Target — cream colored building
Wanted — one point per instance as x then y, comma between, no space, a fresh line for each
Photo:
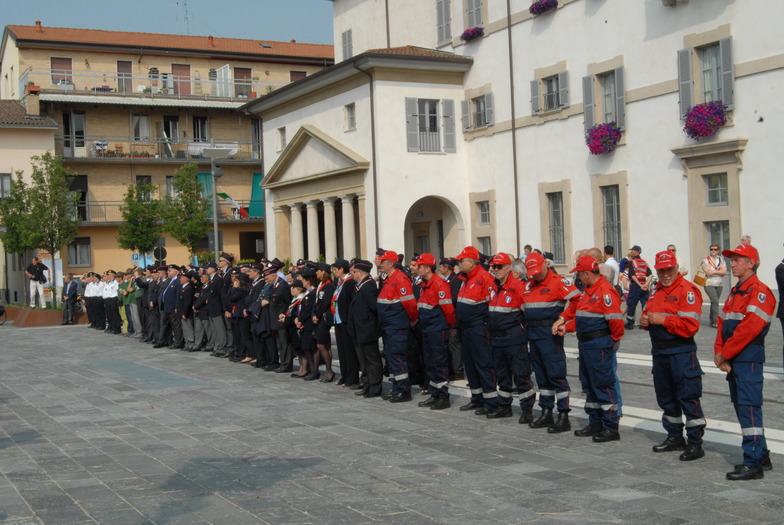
134,107
377,128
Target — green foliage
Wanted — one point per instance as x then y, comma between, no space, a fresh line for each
185,215
17,236
141,219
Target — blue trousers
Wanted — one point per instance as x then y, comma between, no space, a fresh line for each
602,396
549,364
677,379
436,350
513,369
478,365
636,295
745,382
395,344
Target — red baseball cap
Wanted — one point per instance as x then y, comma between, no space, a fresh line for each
665,259
534,264
469,252
388,255
744,250
426,259
586,263
501,259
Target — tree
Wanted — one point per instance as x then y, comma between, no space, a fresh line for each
16,234
141,215
185,216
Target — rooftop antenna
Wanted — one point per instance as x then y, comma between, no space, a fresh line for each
184,4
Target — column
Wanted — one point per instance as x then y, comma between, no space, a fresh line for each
349,242
330,231
313,230
297,244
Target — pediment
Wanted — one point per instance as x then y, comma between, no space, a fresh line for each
312,154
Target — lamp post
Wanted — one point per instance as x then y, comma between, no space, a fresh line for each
215,153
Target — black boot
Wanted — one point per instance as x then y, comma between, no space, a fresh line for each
693,451
745,473
440,404
766,464
590,430
501,411
526,417
561,424
670,444
545,420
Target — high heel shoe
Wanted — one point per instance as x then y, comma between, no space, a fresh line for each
312,377
328,378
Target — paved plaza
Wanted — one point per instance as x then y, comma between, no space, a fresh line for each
97,428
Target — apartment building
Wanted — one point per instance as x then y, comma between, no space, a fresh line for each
445,141
134,107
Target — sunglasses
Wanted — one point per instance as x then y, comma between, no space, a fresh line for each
496,266
714,249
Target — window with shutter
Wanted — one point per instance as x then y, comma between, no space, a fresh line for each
425,120
348,45
589,106
444,21
563,89
620,98
473,13
536,105
684,80
62,70
448,116
727,73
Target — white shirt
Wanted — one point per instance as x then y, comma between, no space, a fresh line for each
611,262
109,290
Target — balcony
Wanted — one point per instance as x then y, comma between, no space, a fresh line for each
154,85
127,149
107,213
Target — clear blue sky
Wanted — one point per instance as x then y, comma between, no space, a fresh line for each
303,20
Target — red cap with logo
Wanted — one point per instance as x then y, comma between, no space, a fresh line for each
425,259
469,252
744,250
665,259
534,264
501,259
586,263
388,255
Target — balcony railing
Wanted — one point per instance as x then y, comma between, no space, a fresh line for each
154,84
103,147
108,212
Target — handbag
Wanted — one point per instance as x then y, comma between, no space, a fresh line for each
700,278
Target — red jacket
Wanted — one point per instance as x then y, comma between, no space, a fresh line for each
681,304
596,310
745,321
436,311
397,306
473,297
545,301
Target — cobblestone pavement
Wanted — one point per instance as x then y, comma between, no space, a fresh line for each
96,428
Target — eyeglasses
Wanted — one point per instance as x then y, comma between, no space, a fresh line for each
496,266
714,249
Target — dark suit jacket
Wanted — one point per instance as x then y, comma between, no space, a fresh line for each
214,293
780,284
200,301
363,315
345,298
279,298
70,292
168,294
185,301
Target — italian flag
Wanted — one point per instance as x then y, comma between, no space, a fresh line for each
242,211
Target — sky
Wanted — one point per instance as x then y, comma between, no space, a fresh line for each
303,20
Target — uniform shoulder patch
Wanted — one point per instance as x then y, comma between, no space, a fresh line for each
508,299
492,294
402,291
690,297
441,295
607,300
567,282
761,297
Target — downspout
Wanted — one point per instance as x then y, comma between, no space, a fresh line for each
386,8
372,149
514,133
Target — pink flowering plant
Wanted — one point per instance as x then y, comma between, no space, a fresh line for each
542,6
472,33
603,138
704,120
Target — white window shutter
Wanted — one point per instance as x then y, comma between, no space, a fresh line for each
620,99
684,80
589,106
536,103
447,21
412,124
563,88
727,73
448,112
440,20
489,113
465,110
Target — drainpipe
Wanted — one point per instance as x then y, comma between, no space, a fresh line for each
386,7
372,148
514,133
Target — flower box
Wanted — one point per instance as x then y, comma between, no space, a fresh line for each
603,138
472,33
542,6
704,120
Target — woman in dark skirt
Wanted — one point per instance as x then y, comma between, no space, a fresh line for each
235,308
297,294
304,322
322,319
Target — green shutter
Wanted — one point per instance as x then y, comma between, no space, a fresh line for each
256,208
206,190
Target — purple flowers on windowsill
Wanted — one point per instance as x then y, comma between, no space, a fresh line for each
472,33
704,120
542,6
603,138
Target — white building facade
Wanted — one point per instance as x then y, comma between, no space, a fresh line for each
418,141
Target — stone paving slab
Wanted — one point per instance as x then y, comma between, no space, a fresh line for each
96,428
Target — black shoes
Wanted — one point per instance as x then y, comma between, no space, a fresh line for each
526,417
561,424
282,370
481,411
544,420
629,326
766,464
158,345
499,412
693,451
399,397
427,402
745,473
670,444
472,405
589,431
441,404
605,435
387,395
360,392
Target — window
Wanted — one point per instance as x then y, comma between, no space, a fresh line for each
484,212
611,205
171,191
5,185
79,252
552,99
144,180
710,61
485,245
141,127
181,76
550,93
351,116
347,43
124,74
706,72
242,81
716,187
297,75
78,187
557,233
607,82
171,127
74,132
200,129
423,244
610,105
444,21
478,112
473,13
62,70
281,138
430,125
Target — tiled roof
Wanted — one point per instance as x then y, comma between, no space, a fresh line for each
12,113
183,42
413,51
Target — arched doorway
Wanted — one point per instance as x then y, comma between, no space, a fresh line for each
434,225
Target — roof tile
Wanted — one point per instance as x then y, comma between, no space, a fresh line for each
12,113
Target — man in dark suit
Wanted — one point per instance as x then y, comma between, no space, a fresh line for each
278,299
169,292
201,318
214,293
153,293
780,284
341,303
363,327
185,309
70,291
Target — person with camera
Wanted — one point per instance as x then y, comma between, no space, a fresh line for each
37,272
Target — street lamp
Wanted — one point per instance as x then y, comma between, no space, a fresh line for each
215,153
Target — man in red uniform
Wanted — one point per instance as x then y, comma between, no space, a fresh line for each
436,318
596,317
546,295
471,311
740,351
397,310
672,318
639,280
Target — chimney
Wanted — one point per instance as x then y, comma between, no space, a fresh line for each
212,43
38,26
32,101
293,41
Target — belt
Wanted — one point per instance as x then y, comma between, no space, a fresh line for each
542,322
672,343
590,336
